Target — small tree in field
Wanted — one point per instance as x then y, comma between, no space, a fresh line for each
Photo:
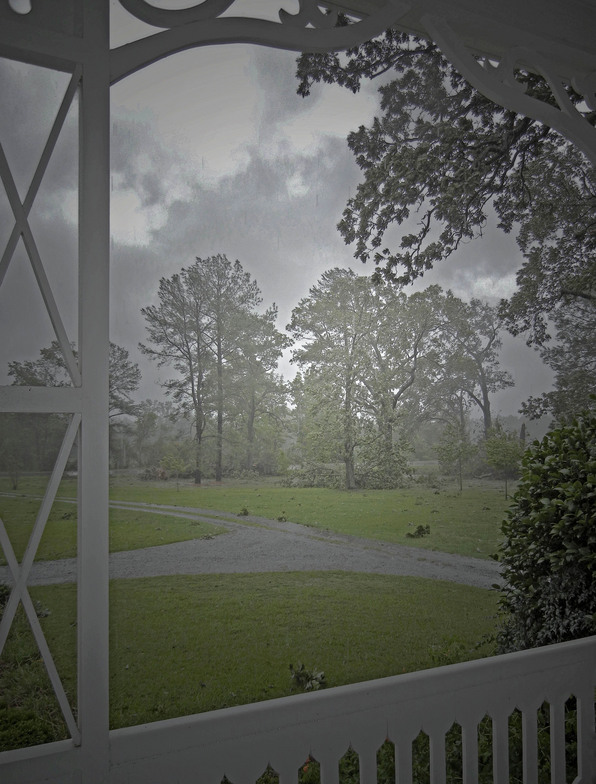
177,460
455,451
503,453
549,550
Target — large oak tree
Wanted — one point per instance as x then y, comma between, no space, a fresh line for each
441,158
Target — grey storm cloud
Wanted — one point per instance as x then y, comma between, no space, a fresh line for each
276,212
139,161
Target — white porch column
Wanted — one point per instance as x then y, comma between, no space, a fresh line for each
94,245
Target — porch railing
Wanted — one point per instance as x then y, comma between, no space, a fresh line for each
239,743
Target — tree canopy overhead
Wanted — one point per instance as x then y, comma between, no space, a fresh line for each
440,158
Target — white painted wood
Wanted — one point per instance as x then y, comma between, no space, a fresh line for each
586,737
530,746
470,753
40,400
281,731
244,739
557,742
209,32
41,168
94,260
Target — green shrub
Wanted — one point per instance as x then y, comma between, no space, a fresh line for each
549,549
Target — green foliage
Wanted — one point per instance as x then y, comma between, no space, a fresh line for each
307,680
456,451
442,151
549,550
421,530
208,328
50,370
503,453
382,363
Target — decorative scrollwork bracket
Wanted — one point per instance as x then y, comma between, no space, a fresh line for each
309,30
499,83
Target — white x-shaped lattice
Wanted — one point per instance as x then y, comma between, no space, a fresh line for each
20,574
22,228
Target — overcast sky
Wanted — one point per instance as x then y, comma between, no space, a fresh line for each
212,152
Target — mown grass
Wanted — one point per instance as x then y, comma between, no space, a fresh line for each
468,523
129,529
181,645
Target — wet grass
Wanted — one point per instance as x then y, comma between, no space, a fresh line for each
129,529
467,523
181,645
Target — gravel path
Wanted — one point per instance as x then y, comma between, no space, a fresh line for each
261,545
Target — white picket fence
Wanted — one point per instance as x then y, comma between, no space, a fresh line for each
239,743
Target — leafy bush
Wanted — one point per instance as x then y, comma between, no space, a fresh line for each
421,530
307,680
549,550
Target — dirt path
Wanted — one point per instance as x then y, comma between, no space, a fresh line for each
261,545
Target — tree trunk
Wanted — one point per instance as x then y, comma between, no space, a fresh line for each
198,457
488,422
349,437
198,472
250,433
350,474
220,405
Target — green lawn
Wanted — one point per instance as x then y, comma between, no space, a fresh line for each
467,523
183,645
129,529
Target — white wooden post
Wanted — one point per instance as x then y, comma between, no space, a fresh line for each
94,245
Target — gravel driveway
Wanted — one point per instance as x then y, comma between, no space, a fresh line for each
261,545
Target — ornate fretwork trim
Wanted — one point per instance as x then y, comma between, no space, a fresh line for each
310,30
499,83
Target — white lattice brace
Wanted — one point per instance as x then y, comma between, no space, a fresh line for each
21,573
289,34
40,400
499,84
23,228
48,500
41,168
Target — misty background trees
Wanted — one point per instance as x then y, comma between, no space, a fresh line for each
31,441
380,369
207,327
